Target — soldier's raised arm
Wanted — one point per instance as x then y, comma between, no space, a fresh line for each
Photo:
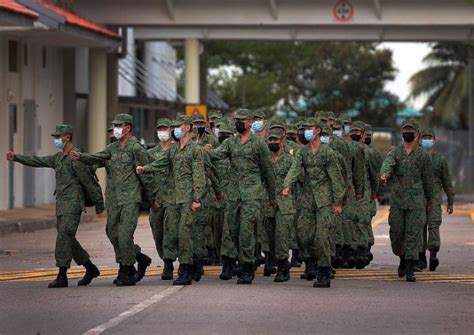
36,161
98,158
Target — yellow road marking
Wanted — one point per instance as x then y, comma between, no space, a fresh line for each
383,217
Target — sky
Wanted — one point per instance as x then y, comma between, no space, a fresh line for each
407,58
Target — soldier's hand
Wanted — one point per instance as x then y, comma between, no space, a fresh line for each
273,203
450,209
139,169
383,179
359,196
338,209
195,206
10,155
208,147
285,192
155,207
74,155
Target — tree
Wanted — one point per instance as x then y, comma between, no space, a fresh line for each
445,82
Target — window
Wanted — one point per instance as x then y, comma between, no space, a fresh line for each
43,57
13,56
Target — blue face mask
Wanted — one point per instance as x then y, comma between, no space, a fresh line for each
217,131
58,143
324,139
257,126
347,129
337,133
427,144
308,135
178,133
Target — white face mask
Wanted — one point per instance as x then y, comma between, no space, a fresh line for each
118,133
163,136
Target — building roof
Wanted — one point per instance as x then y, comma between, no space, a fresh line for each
16,8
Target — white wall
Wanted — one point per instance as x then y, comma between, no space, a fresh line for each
160,62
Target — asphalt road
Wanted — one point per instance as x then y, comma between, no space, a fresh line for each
370,301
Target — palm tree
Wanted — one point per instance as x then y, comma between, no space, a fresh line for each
445,82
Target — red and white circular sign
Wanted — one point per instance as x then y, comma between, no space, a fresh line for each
343,11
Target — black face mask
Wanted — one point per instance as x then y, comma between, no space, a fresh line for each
211,125
240,126
408,137
302,138
223,137
174,137
291,138
368,140
201,130
274,147
356,137
113,139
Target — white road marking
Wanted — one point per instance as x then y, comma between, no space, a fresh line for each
132,311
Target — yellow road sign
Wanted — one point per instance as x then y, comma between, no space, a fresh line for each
193,110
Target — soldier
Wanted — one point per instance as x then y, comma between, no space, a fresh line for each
442,182
213,116
259,124
411,197
325,190
202,137
188,169
124,195
250,164
346,123
291,133
75,185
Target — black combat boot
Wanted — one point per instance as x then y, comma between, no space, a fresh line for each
332,273
167,273
370,255
119,274
269,269
61,279
351,258
186,276
402,267
143,262
337,262
197,268
128,276
323,278
283,272
227,268
410,271
422,262
247,274
311,269
434,262
91,272
361,259
237,269
295,258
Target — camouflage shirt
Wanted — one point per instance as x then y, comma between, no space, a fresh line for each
442,179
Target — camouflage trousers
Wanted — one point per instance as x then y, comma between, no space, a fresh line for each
157,228
349,224
121,224
239,234
278,232
202,231
431,236
178,233
67,246
405,231
314,231
293,240
218,226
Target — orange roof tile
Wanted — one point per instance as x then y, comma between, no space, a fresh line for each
12,6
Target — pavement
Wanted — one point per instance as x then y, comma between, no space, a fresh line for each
370,301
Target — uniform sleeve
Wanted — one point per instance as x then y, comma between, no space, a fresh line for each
388,164
358,170
447,182
212,172
221,152
96,159
268,174
427,178
373,171
199,176
37,161
295,171
89,183
337,180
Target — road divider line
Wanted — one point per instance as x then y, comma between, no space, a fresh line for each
133,311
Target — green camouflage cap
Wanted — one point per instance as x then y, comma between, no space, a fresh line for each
358,125
410,123
326,129
331,115
277,122
243,114
368,129
214,114
311,122
62,129
180,120
291,129
428,132
275,133
163,122
226,125
322,115
198,118
259,113
346,119
123,119
337,123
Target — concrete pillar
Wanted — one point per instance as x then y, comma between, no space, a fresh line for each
191,74
112,86
97,105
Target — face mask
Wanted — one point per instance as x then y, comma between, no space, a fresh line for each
408,137
309,135
274,147
337,133
302,138
257,126
356,137
217,132
324,139
113,139
427,144
368,140
240,126
201,130
223,137
163,136
118,133
347,129
178,133
58,143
